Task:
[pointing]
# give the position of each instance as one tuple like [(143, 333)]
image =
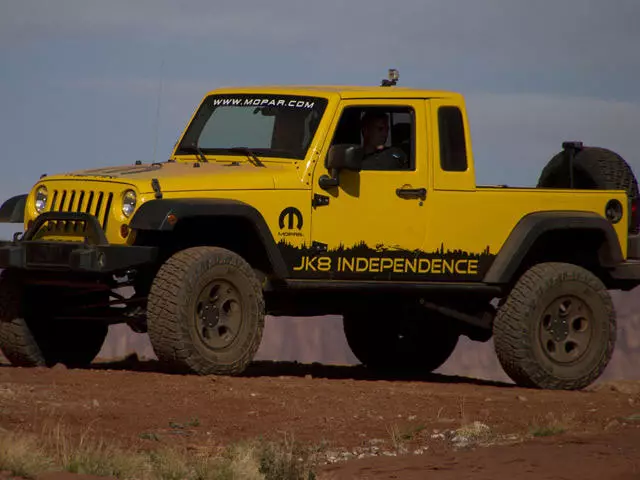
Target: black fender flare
[(154, 215), (12, 210), (532, 226)]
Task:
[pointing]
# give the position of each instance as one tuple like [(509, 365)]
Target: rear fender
[(533, 226)]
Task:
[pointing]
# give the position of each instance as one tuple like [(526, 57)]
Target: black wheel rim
[(218, 314), (566, 328)]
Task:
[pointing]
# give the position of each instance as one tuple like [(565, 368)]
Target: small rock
[(96, 403), (412, 417), (471, 433), (446, 420), (522, 398), (612, 424), (59, 366), (308, 376)]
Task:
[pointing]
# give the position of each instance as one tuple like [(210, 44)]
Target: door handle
[(412, 192)]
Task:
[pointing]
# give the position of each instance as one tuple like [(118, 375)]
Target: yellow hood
[(185, 176)]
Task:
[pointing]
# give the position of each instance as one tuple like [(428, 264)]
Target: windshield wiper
[(252, 156), (195, 148)]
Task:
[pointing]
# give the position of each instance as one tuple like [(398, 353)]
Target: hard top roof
[(344, 91)]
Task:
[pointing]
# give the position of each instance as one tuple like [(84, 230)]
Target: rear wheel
[(557, 328), (30, 336), (385, 341), (205, 312)]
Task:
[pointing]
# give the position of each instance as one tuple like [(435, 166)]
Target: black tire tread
[(512, 326), (165, 311), (16, 341), (605, 168), (69, 343)]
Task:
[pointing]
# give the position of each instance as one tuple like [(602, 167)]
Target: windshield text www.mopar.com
[(262, 102)]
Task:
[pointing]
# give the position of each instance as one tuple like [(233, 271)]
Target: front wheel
[(557, 328), (205, 312), (31, 336)]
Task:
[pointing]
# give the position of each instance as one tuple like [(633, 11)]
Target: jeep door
[(367, 227)]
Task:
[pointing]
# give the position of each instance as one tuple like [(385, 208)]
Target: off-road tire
[(30, 338), (373, 335), (171, 312), (521, 318), (594, 168)]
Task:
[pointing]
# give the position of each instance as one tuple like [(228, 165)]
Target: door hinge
[(319, 200), (317, 247)]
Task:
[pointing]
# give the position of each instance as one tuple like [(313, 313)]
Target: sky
[(87, 83)]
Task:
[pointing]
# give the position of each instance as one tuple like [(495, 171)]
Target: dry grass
[(400, 436), (55, 449), (550, 425), (21, 454)]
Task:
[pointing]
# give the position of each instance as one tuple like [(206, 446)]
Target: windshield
[(269, 125)]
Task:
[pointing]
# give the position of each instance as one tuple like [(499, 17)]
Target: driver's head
[(375, 129)]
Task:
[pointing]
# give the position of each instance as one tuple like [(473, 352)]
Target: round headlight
[(41, 199), (128, 202)]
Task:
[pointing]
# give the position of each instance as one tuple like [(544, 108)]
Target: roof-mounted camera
[(392, 79)]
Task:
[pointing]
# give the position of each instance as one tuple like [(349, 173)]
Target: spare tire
[(593, 168)]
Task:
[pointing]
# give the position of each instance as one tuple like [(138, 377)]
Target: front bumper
[(94, 255)]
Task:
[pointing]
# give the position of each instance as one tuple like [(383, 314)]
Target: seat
[(401, 137)]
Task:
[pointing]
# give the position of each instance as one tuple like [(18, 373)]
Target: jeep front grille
[(88, 201)]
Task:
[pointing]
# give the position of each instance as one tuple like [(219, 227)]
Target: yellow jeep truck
[(359, 201)]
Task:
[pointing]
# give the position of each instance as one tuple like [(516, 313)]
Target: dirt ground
[(437, 427)]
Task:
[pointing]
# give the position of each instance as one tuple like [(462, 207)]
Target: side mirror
[(341, 157), (345, 157)]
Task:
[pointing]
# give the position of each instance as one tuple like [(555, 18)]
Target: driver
[(375, 129)]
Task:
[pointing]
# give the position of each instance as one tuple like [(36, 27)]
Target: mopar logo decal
[(291, 214), (290, 218)]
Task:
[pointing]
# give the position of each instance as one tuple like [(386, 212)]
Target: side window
[(386, 133), (453, 152)]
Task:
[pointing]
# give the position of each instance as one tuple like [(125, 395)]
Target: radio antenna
[(155, 141)]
